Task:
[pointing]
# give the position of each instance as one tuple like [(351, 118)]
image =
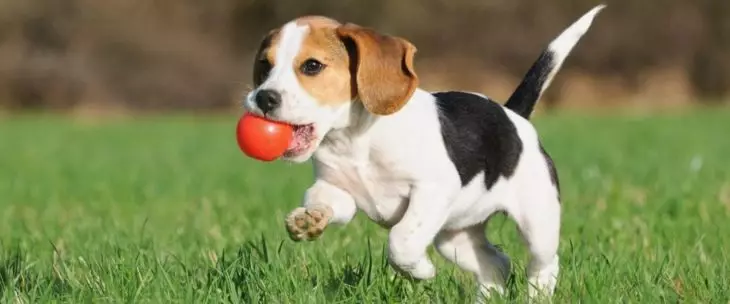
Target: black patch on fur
[(478, 136), (262, 66), (551, 168), (525, 97)]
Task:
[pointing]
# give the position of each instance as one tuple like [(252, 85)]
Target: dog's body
[(431, 167)]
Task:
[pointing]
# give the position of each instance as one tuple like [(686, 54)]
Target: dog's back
[(431, 167)]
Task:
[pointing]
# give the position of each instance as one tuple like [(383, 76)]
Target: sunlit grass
[(167, 209)]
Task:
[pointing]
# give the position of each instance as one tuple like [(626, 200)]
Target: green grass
[(167, 209)]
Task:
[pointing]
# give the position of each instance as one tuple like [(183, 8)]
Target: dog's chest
[(376, 187)]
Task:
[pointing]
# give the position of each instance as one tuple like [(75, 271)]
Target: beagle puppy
[(431, 167)]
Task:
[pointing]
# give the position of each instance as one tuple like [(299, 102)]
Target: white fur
[(565, 42), (299, 107), (396, 170)]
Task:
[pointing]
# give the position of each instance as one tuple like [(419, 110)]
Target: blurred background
[(166, 209), (118, 56)]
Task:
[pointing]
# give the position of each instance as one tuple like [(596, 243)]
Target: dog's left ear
[(382, 67)]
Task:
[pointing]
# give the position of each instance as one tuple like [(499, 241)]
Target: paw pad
[(306, 224)]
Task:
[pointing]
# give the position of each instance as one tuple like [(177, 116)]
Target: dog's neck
[(355, 121), (360, 119), (358, 129)]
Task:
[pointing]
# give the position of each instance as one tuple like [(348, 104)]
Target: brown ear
[(383, 69)]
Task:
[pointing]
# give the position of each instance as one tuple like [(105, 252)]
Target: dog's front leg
[(323, 203), (408, 240)]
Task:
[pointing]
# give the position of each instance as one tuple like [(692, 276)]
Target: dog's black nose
[(268, 100)]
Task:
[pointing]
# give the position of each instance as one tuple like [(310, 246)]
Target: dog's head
[(313, 71)]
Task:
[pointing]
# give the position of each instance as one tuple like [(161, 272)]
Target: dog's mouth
[(302, 140)]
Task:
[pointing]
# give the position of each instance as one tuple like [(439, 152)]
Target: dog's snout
[(268, 100)]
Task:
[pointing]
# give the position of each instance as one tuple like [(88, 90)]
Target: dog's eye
[(311, 67)]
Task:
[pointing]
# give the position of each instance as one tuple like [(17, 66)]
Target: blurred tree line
[(193, 54)]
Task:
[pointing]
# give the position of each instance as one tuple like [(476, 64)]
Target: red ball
[(261, 138)]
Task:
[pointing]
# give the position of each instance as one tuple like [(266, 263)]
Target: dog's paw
[(306, 224), (423, 269)]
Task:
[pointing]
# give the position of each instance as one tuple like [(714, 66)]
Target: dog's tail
[(539, 76)]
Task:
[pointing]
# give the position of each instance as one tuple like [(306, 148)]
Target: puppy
[(431, 167)]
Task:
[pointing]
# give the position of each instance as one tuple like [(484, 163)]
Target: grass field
[(166, 209)]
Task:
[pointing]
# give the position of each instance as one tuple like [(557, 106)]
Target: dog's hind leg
[(470, 250), (539, 225)]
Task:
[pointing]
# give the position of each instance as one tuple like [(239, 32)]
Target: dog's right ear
[(382, 67), (262, 64)]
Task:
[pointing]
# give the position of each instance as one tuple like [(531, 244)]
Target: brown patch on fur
[(332, 86), (359, 62), (385, 75), (265, 57)]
